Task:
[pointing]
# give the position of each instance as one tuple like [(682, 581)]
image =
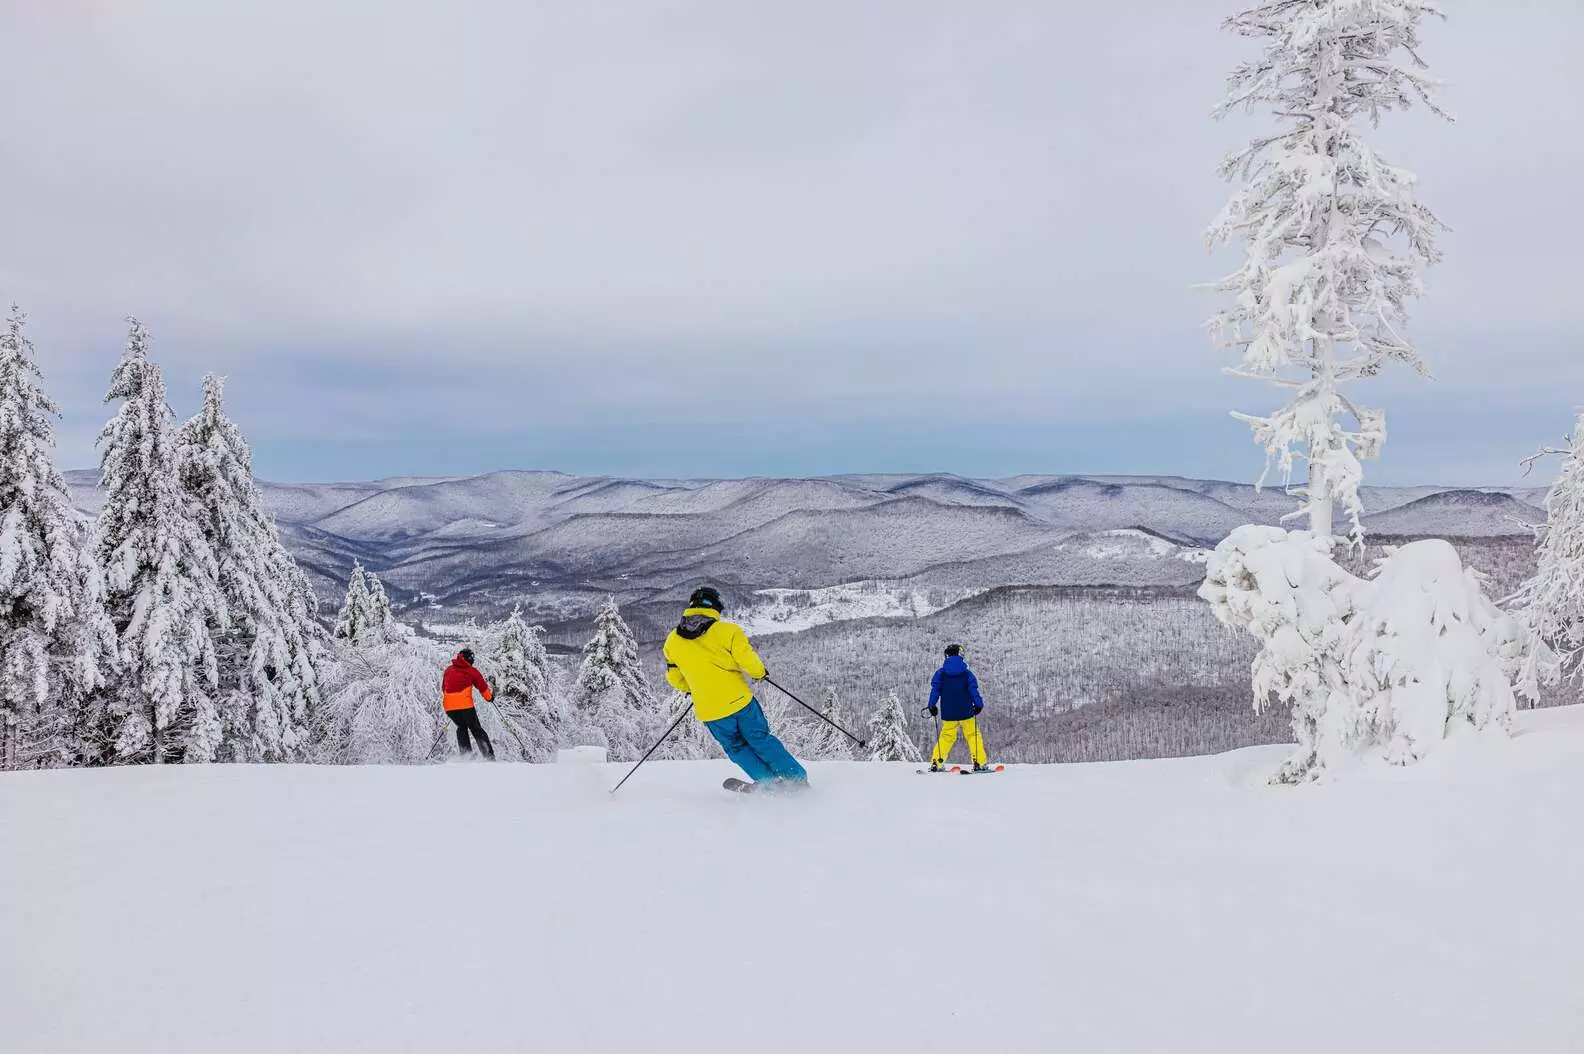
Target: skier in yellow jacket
[(711, 660)]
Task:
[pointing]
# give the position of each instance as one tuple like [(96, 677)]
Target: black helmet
[(707, 597), (466, 654), (954, 649)]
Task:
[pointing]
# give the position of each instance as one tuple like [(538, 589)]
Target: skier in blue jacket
[(955, 699)]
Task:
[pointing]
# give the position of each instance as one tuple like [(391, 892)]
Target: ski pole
[(816, 713), (685, 711)]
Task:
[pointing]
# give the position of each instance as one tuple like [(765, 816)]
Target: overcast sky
[(726, 238)]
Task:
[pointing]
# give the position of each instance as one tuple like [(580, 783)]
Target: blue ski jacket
[(955, 690)]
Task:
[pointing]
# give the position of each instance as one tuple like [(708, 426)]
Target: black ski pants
[(468, 721)]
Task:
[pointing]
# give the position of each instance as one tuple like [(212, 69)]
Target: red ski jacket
[(458, 684)]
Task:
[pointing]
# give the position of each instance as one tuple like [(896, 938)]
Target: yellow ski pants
[(948, 739)]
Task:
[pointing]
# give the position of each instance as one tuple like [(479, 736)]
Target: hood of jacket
[(696, 622), (460, 663), (954, 664)]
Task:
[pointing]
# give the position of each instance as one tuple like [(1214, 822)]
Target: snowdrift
[(1143, 906)]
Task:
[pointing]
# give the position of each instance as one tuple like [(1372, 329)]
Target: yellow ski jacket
[(711, 660)]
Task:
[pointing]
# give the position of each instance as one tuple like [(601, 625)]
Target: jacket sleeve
[(748, 660), (483, 686), (674, 675), (935, 689), (973, 690)]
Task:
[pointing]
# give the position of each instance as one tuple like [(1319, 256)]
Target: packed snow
[(1145, 906)]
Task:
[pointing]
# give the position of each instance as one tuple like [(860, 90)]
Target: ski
[(981, 772), (737, 786), (939, 772)]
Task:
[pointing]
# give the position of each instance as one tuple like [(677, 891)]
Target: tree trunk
[(1320, 505)]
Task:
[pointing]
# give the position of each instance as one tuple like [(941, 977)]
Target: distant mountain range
[(451, 549)]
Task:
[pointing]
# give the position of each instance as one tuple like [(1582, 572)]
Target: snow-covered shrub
[(1428, 653), (382, 704), (1551, 602), (1389, 665), (1333, 235)]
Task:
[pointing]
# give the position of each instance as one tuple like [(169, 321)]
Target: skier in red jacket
[(461, 677)]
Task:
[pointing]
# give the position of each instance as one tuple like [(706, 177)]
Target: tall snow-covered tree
[(889, 739), (1552, 601), (1334, 237), (512, 656), (54, 636), (268, 654), (162, 583), (612, 704)]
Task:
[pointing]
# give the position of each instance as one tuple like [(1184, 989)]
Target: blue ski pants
[(746, 738)]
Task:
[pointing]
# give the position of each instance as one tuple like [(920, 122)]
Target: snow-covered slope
[(1145, 906)]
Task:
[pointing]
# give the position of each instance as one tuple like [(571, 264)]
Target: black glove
[(932, 711), (766, 676), (978, 707)]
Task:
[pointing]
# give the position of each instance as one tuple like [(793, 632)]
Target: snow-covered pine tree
[(1551, 602), (1333, 236), (612, 704), (54, 636), (162, 583), (889, 739), (512, 657), (268, 655), (365, 619), (828, 744), (352, 624), (381, 618)]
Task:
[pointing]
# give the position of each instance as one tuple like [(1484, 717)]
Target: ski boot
[(981, 768), (936, 765)]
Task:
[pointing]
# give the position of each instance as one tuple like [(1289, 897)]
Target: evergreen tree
[(352, 624), (1552, 601), (381, 619), (1333, 234), (612, 705), (365, 619), (162, 583), (267, 655), (528, 710), (54, 637), (889, 739), (828, 744)]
